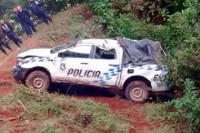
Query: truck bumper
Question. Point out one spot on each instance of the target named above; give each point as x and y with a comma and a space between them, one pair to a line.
19, 73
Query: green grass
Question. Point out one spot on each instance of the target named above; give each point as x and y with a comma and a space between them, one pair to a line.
50, 129
161, 114
56, 113
155, 111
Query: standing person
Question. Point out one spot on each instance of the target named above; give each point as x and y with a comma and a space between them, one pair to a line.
15, 15
9, 31
25, 21
38, 9
3, 43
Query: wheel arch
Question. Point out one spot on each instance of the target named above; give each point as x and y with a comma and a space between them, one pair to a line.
135, 78
37, 69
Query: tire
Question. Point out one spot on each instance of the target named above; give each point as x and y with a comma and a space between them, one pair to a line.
137, 91
38, 81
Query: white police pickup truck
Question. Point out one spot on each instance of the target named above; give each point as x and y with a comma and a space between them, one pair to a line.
128, 65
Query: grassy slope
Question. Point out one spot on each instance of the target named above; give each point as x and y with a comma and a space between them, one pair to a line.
55, 113
52, 113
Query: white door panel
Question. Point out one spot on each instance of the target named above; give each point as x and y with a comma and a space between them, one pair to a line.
72, 65
109, 72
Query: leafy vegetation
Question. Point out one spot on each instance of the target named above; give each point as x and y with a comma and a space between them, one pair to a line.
187, 107
181, 112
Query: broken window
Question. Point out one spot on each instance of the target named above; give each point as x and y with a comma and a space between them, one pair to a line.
105, 54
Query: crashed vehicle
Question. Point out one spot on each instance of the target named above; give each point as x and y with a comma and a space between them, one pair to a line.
124, 64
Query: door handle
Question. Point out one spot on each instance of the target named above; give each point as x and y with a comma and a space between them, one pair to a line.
84, 63
111, 64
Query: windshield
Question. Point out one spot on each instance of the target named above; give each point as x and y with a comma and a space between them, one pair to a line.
64, 46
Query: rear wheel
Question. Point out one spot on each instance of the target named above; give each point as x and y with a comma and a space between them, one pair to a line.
38, 81
137, 91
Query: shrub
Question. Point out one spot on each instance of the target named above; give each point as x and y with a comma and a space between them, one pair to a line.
188, 107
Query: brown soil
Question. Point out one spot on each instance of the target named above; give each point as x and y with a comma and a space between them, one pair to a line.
5, 83
130, 110
10, 114
10, 118
122, 107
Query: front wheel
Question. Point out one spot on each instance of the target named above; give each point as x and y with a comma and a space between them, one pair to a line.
137, 91
38, 81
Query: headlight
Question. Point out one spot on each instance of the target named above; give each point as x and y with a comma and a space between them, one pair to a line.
19, 61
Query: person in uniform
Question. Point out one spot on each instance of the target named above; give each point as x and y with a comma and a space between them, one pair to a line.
3, 43
15, 15
38, 9
8, 30
24, 18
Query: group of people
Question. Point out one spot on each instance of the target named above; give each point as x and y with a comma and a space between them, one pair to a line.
22, 16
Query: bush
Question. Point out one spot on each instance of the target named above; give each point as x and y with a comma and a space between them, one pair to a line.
188, 107
184, 59
184, 64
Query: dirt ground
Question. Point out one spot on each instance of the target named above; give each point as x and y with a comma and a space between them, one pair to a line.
120, 106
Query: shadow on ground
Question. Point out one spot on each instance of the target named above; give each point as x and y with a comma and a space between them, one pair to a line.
85, 91
77, 90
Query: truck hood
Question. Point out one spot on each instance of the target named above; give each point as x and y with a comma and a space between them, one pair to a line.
44, 52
